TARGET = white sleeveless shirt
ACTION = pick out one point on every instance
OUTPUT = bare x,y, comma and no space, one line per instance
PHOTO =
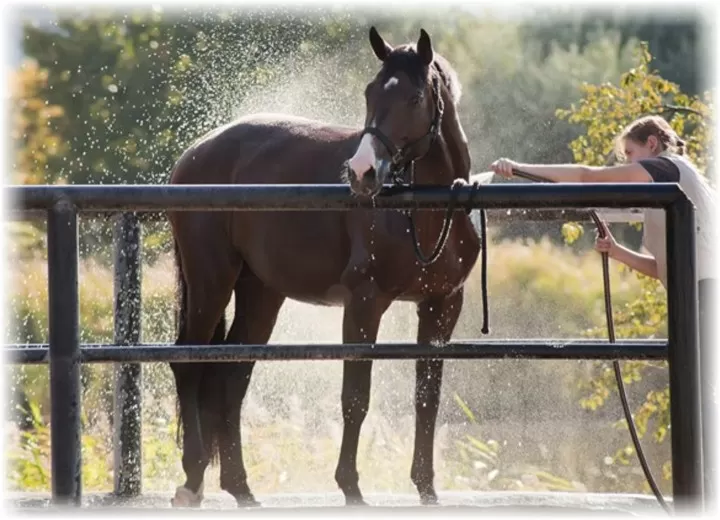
703,197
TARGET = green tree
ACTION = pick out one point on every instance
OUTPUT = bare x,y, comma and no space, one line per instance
137,88
134,89
32,118
674,41
604,111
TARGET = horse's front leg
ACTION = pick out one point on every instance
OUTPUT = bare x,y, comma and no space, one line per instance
361,322
437,318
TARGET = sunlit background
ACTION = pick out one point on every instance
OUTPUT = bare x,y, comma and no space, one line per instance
114,96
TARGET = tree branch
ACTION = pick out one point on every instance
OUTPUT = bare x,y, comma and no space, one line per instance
676,108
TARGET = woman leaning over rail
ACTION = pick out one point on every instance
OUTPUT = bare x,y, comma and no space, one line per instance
653,152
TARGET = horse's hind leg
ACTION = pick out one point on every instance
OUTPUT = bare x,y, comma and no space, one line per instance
436,321
256,310
210,404
209,279
360,325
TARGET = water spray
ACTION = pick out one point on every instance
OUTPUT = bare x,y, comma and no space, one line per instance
485,178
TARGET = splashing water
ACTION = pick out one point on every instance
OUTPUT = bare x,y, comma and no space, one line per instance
317,84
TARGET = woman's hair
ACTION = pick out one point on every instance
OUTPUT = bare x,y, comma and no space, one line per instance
640,129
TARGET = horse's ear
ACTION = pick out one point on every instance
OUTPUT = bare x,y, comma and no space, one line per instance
379,45
424,48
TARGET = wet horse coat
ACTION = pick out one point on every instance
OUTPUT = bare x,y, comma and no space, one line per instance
361,259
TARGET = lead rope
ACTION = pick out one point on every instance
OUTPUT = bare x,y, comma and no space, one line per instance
444,232
611,338
442,239
475,187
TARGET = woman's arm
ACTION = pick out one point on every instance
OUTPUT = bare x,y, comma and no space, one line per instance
645,264
606,243
632,172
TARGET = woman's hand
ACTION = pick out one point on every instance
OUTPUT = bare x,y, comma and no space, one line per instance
504,167
608,244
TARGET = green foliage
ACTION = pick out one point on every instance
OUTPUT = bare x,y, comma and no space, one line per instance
606,108
27,466
32,120
572,231
134,90
29,460
670,39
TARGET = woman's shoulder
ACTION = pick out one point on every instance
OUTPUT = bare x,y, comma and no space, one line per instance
680,160
662,168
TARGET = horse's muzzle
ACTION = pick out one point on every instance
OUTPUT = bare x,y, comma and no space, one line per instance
370,183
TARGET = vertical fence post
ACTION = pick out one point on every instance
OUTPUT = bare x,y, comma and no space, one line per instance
684,358
64,317
127,410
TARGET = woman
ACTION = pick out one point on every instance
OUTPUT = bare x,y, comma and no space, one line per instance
653,153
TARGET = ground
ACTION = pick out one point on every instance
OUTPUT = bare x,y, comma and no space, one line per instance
381,504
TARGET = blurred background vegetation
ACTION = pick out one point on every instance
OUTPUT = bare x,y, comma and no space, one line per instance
114,96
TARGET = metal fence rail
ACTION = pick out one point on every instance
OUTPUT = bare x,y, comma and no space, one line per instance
64,354
312,197
487,349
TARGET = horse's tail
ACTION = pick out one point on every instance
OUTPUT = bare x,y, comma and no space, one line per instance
211,388
211,398
180,320
181,288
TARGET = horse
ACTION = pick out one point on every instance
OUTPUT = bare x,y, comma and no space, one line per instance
359,259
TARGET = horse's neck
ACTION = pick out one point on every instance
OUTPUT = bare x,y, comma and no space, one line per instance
456,143
450,148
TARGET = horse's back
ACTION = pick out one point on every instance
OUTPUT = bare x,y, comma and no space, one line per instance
268,148
299,254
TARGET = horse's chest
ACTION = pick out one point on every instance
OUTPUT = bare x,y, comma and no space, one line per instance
442,277
399,271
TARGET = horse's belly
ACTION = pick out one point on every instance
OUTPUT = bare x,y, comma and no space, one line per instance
444,277
334,296
299,254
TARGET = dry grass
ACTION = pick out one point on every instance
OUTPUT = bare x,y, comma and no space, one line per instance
292,422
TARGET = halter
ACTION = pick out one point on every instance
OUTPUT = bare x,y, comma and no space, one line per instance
399,167
399,162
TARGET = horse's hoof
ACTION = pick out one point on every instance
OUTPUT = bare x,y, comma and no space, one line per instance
429,499
247,501
355,501
186,498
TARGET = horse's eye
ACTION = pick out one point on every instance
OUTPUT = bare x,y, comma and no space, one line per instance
415,100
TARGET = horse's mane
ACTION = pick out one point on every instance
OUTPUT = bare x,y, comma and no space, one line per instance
405,59
449,78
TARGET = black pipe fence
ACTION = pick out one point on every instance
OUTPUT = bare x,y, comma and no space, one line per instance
64,354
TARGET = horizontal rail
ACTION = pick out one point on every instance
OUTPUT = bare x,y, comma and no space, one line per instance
501,215
487,349
310,197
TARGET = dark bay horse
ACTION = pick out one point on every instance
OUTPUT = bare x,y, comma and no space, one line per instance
361,259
